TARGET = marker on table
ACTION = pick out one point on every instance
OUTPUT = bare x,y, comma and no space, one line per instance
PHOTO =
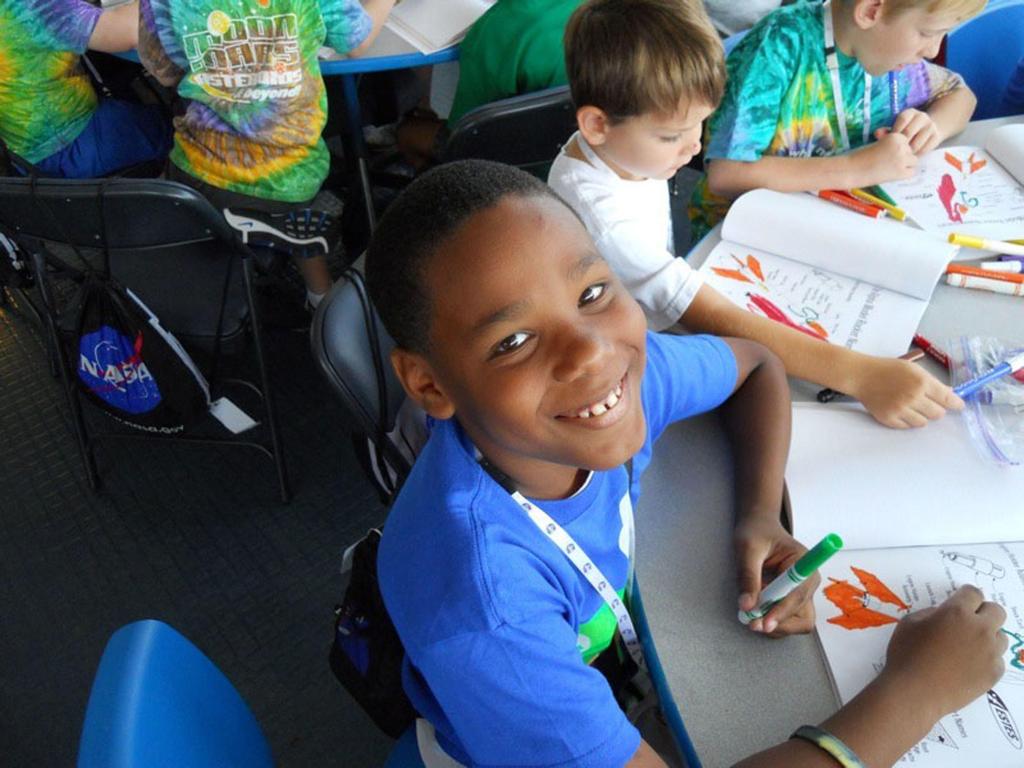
999,246
881,194
827,395
793,577
986,283
849,201
1018,259
1005,368
862,194
963,269
931,350
1012,265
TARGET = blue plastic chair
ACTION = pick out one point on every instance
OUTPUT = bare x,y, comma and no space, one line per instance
158,702
985,51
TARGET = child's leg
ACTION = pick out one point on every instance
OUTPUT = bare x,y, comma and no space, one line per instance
120,134
316,276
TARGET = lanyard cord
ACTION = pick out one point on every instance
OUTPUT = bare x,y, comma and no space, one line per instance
583,563
832,61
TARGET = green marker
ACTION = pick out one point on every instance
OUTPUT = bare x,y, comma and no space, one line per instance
878,192
794,576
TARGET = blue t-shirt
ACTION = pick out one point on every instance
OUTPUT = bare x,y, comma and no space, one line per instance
494,618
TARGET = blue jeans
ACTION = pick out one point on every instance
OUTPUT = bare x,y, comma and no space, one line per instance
120,134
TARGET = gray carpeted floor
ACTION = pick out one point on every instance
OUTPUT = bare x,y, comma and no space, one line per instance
195,537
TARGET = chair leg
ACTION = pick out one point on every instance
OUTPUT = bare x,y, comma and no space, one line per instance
268,399
67,383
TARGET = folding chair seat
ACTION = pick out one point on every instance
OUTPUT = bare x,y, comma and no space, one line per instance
526,131
167,244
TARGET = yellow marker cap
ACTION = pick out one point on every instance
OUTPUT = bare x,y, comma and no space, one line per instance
968,240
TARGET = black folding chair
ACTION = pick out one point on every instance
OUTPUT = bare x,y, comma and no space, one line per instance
351,346
526,131
166,243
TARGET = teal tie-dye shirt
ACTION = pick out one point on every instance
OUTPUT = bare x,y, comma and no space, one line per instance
256,100
46,99
778,100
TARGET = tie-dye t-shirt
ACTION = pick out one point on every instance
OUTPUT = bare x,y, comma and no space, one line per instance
249,69
778,100
46,99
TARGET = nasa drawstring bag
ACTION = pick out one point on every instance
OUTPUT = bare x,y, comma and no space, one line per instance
125,363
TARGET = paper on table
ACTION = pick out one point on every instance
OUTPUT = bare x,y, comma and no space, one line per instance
805,228
432,25
857,611
968,189
879,487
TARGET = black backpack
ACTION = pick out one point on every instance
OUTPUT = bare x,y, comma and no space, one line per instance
126,364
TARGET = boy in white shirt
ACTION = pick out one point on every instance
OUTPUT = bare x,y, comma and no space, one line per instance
644,75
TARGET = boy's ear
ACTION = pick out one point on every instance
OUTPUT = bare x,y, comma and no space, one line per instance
419,382
593,123
867,13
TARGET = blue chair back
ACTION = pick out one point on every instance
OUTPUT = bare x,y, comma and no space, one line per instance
985,51
158,702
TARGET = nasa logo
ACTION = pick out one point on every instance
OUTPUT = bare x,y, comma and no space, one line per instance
1004,719
111,366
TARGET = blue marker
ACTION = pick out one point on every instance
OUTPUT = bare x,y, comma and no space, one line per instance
894,95
1005,368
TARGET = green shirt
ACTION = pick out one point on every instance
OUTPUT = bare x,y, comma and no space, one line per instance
514,48
778,99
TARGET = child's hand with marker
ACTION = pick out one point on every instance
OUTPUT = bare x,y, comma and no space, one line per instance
898,393
890,158
764,549
918,127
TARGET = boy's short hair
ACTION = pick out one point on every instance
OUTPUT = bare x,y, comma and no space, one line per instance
633,57
963,9
417,223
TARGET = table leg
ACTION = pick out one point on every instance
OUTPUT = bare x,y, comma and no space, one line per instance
354,116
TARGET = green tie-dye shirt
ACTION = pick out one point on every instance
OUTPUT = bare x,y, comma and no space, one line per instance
249,71
778,100
46,98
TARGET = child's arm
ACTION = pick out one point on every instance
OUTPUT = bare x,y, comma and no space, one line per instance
378,11
888,159
757,418
117,29
947,116
897,393
939,660
152,54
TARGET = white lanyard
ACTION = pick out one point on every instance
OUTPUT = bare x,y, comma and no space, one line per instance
590,571
832,61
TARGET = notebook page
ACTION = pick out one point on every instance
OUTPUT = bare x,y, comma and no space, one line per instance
831,307
431,25
1006,144
879,487
806,228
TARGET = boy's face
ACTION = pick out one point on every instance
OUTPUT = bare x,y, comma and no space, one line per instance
652,146
535,346
896,39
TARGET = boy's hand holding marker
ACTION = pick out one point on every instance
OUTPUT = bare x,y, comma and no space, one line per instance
890,158
900,394
918,127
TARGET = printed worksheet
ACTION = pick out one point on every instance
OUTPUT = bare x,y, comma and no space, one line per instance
863,595
828,306
969,190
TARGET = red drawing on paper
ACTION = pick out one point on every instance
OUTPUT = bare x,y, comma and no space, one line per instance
946,192
872,604
772,312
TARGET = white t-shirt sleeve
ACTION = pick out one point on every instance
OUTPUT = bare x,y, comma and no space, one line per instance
630,224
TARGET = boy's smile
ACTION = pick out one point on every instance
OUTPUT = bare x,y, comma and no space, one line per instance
535,346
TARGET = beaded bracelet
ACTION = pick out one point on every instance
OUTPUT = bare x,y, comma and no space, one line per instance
826,742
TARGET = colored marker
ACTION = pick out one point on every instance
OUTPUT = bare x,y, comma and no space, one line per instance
1005,368
1019,259
793,577
931,350
828,395
1008,265
999,246
962,269
897,213
894,96
985,284
848,201
881,194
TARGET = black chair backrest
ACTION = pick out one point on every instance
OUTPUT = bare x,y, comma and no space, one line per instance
344,349
525,131
164,241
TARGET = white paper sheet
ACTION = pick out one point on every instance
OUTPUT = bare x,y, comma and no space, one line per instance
880,487
969,190
431,25
838,309
857,613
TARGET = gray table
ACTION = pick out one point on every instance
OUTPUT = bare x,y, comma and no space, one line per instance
738,692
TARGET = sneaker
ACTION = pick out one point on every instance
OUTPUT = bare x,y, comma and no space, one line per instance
302,233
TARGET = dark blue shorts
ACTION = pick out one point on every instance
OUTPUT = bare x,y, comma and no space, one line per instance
120,134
